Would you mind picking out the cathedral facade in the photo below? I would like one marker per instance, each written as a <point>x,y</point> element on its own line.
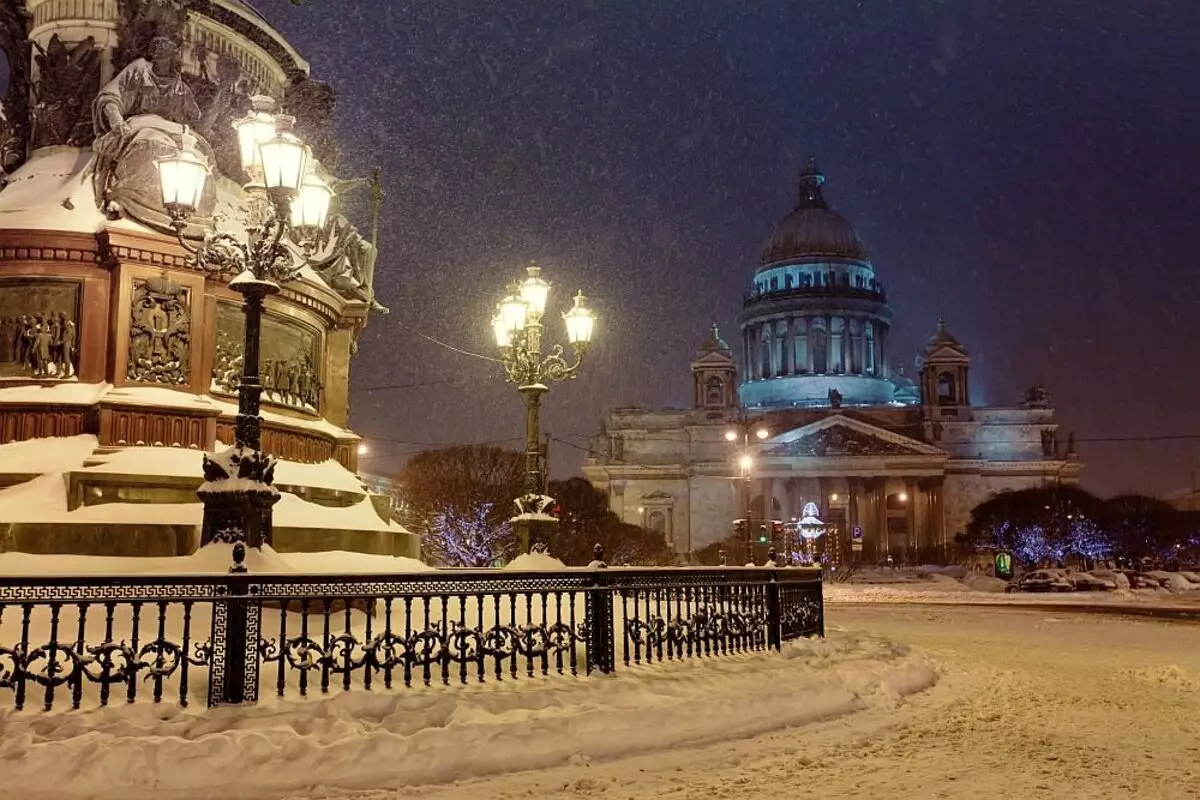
<point>806,408</point>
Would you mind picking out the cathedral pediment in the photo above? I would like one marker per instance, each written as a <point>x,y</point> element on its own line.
<point>842,437</point>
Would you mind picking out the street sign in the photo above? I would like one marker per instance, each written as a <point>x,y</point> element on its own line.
<point>856,538</point>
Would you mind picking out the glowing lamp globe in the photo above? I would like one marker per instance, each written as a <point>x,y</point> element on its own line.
<point>746,462</point>
<point>181,179</point>
<point>501,330</point>
<point>535,291</point>
<point>762,433</point>
<point>310,209</point>
<point>580,322</point>
<point>284,158</point>
<point>730,436</point>
<point>513,311</point>
<point>255,128</point>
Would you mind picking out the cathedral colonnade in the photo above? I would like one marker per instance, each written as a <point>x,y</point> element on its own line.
<point>821,344</point>
<point>902,516</point>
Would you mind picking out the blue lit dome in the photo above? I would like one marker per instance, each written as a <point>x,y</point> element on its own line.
<point>813,230</point>
<point>815,322</point>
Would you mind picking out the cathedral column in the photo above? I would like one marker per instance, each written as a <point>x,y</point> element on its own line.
<point>937,522</point>
<point>884,365</point>
<point>881,518</point>
<point>808,350</point>
<point>791,357</point>
<point>853,495</point>
<point>829,365</point>
<point>768,498</point>
<point>746,354</point>
<point>912,488</point>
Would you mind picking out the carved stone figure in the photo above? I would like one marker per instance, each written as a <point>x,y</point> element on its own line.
<point>144,20</point>
<point>68,79</point>
<point>159,332</point>
<point>835,398</point>
<point>1049,442</point>
<point>346,261</point>
<point>1037,397</point>
<point>141,115</point>
<point>839,441</point>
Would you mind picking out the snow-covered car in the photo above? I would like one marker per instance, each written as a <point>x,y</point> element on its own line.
<point>1041,581</point>
<point>1087,582</point>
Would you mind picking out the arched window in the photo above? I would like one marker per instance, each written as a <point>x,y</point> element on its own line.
<point>657,523</point>
<point>947,390</point>
<point>714,396</point>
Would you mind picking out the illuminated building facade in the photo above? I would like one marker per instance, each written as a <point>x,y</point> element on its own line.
<point>902,462</point>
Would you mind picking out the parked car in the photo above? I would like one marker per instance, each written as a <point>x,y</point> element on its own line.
<point>1041,581</point>
<point>1087,582</point>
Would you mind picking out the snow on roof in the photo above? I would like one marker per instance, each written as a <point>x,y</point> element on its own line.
<point>214,558</point>
<point>159,396</point>
<point>68,393</point>
<point>318,425</point>
<point>46,455</point>
<point>177,461</point>
<point>44,499</point>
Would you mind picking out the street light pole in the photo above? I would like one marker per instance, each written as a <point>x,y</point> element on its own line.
<point>518,330</point>
<point>237,492</point>
<point>741,429</point>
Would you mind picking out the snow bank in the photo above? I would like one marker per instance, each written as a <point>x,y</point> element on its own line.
<point>378,740</point>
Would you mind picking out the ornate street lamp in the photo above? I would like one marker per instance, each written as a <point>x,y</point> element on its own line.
<point>238,495</point>
<point>517,327</point>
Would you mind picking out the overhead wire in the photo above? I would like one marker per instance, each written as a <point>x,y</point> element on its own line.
<point>446,345</point>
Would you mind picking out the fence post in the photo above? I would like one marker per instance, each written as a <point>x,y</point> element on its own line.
<point>601,643</point>
<point>233,671</point>
<point>774,624</point>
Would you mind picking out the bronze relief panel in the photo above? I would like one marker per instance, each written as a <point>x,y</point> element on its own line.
<point>160,332</point>
<point>290,355</point>
<point>39,329</point>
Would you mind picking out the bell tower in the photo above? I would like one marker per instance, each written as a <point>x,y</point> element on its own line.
<point>714,376</point>
<point>945,392</point>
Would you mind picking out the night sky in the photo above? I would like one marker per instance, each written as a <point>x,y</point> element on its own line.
<point>1026,169</point>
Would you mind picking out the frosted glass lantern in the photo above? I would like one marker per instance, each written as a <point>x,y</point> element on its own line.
<point>181,178</point>
<point>513,311</point>
<point>535,290</point>
<point>310,209</point>
<point>255,128</point>
<point>501,330</point>
<point>580,322</point>
<point>284,158</point>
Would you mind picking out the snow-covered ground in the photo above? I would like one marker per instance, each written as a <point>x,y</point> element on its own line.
<point>898,702</point>
<point>909,586</point>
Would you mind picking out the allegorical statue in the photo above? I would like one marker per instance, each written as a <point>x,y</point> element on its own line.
<point>139,116</point>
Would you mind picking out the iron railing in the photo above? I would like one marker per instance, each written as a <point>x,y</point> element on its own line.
<point>224,638</point>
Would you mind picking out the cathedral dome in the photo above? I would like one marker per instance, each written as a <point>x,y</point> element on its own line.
<point>813,229</point>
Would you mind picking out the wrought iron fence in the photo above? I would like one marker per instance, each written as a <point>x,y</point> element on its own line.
<point>223,639</point>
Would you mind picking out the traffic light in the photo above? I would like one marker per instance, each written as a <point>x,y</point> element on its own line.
<point>739,528</point>
<point>762,534</point>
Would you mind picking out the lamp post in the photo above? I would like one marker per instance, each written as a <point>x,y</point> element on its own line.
<point>741,430</point>
<point>237,493</point>
<point>518,330</point>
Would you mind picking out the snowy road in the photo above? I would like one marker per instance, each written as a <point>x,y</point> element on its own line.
<point>1030,705</point>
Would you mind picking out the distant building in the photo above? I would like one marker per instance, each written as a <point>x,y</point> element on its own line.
<point>904,462</point>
